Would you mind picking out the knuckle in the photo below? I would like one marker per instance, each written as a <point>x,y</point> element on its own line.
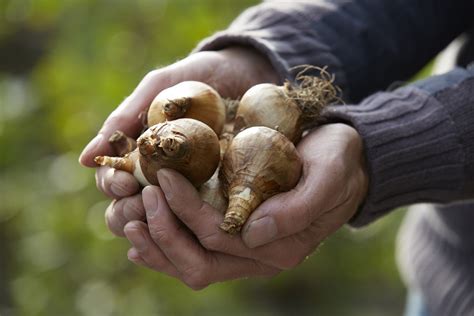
<point>114,120</point>
<point>113,220</point>
<point>160,235</point>
<point>105,181</point>
<point>266,270</point>
<point>99,178</point>
<point>345,194</point>
<point>197,284</point>
<point>306,212</point>
<point>121,183</point>
<point>133,209</point>
<point>270,272</point>
<point>289,262</point>
<point>211,242</point>
<point>338,167</point>
<point>152,74</point>
<point>195,279</point>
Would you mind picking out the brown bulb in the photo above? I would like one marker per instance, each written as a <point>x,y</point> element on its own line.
<point>189,99</point>
<point>259,163</point>
<point>185,145</point>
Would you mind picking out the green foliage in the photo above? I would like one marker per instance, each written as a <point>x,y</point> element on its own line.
<point>57,256</point>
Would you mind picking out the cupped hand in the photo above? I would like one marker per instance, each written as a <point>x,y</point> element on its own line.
<point>230,71</point>
<point>182,236</point>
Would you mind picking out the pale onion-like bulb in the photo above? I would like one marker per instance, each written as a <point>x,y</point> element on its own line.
<point>259,163</point>
<point>291,108</point>
<point>185,145</point>
<point>189,99</point>
<point>267,105</point>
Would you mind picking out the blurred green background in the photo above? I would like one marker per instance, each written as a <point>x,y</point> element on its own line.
<point>64,65</point>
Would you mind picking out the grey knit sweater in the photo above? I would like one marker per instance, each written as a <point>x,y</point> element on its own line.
<point>419,139</point>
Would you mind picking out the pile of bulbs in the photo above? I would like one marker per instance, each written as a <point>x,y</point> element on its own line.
<point>236,158</point>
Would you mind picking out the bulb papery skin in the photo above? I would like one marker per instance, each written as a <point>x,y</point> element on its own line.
<point>268,105</point>
<point>259,163</point>
<point>212,193</point>
<point>189,99</point>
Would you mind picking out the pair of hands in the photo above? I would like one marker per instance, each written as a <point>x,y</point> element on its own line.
<point>181,236</point>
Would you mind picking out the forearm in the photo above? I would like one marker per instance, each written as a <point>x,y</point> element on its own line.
<point>366,44</point>
<point>419,143</point>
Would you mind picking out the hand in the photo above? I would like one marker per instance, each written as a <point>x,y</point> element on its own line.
<point>230,71</point>
<point>183,240</point>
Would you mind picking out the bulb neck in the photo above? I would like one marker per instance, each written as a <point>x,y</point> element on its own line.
<point>119,163</point>
<point>175,109</point>
<point>147,145</point>
<point>242,202</point>
<point>173,146</point>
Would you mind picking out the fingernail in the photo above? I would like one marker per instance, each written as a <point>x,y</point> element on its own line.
<point>93,144</point>
<point>150,201</point>
<point>137,239</point>
<point>133,210</point>
<point>118,189</point>
<point>260,232</point>
<point>165,183</point>
<point>133,254</point>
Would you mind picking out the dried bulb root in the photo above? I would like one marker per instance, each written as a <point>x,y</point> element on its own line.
<point>313,93</point>
<point>121,143</point>
<point>230,109</point>
<point>224,142</point>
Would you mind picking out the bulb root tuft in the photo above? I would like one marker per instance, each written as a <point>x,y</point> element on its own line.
<point>313,93</point>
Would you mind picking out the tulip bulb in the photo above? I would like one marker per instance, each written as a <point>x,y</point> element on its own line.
<point>189,99</point>
<point>259,163</point>
<point>289,109</point>
<point>212,192</point>
<point>185,145</point>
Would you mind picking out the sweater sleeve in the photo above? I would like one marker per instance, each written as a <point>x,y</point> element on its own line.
<point>367,44</point>
<point>419,142</point>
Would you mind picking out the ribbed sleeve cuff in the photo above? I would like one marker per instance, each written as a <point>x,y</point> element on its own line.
<point>419,145</point>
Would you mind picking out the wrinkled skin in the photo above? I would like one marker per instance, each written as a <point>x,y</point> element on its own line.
<point>280,233</point>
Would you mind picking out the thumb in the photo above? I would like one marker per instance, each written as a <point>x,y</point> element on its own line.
<point>125,117</point>
<point>285,214</point>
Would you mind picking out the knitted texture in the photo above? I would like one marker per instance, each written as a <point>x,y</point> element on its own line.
<point>419,143</point>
